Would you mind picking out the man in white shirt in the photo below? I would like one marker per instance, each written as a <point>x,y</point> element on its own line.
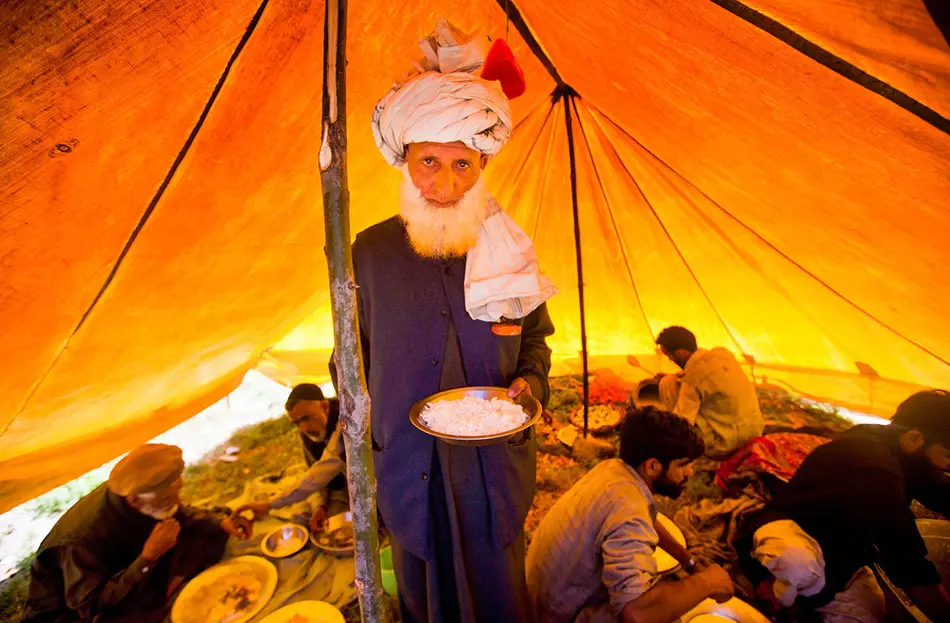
<point>712,392</point>
<point>591,559</point>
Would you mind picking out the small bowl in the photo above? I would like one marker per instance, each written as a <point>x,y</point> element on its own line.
<point>285,541</point>
<point>340,520</point>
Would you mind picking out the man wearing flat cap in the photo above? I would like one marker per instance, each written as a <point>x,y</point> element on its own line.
<point>450,295</point>
<point>847,508</point>
<point>121,551</point>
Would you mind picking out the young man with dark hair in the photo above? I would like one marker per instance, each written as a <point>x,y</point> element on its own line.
<point>712,392</point>
<point>848,507</point>
<point>591,559</point>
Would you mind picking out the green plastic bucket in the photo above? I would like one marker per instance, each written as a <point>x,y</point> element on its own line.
<point>389,576</point>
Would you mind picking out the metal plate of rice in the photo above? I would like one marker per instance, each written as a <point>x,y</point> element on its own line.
<point>528,404</point>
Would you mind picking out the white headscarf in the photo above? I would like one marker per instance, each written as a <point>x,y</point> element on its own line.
<point>444,101</point>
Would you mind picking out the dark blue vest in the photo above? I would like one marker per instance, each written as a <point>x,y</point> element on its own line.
<point>406,304</point>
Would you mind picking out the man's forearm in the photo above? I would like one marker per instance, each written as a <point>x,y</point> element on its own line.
<point>666,601</point>
<point>669,544</point>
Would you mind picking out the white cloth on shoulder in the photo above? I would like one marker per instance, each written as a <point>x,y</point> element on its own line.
<point>502,276</point>
<point>793,557</point>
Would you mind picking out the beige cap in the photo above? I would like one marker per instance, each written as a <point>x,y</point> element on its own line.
<point>146,469</point>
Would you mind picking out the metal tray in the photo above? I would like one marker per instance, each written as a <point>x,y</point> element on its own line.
<point>530,404</point>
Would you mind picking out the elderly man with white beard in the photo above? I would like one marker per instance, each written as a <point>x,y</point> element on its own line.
<point>121,553</point>
<point>450,295</point>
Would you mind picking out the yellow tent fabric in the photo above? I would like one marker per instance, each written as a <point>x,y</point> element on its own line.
<point>160,202</point>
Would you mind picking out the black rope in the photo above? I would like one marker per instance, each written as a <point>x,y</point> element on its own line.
<point>676,248</point>
<point>512,13</point>
<point>567,94</point>
<point>835,63</point>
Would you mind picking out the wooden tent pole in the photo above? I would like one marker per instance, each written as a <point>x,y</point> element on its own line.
<point>566,93</point>
<point>351,380</point>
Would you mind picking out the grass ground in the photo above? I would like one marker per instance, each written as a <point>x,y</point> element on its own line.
<point>272,448</point>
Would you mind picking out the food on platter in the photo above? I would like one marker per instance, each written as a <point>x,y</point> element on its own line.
<point>226,600</point>
<point>473,417</point>
<point>341,537</point>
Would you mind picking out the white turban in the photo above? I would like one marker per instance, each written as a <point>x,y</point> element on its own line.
<point>444,103</point>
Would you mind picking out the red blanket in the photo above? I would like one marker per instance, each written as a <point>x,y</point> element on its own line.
<point>778,454</point>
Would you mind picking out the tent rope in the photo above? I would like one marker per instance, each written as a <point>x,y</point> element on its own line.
<point>772,246</point>
<point>613,222</point>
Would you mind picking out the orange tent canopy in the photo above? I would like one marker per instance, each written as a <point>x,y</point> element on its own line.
<point>160,201</point>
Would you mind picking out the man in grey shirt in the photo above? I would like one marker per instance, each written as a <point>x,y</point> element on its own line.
<point>591,558</point>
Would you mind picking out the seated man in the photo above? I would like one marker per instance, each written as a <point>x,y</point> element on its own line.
<point>591,559</point>
<point>324,483</point>
<point>120,553</point>
<point>711,392</point>
<point>848,506</point>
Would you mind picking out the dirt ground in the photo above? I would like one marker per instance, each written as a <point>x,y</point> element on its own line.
<point>272,449</point>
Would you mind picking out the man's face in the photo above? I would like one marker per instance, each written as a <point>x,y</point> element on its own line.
<point>444,172</point>
<point>679,357</point>
<point>310,416</point>
<point>160,504</point>
<point>671,482</point>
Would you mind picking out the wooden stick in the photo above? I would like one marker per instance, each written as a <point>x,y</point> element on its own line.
<point>351,380</point>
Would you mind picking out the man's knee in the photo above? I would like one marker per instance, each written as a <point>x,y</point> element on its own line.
<point>862,600</point>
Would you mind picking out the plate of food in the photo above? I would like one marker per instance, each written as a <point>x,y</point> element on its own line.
<point>285,541</point>
<point>601,418</point>
<point>338,538</point>
<point>475,416</point>
<point>665,563</point>
<point>735,610</point>
<point>306,612</point>
<point>229,592</point>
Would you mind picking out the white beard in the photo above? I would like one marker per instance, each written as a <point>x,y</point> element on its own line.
<point>443,232</point>
<point>159,513</point>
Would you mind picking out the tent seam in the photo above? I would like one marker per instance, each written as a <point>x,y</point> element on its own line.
<point>835,63</point>
<point>775,248</point>
<point>613,221</point>
<point>252,25</point>
<point>676,248</point>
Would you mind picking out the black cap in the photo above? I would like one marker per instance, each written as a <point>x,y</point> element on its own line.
<point>304,391</point>
<point>926,411</point>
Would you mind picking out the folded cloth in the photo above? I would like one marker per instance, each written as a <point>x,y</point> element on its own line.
<point>502,277</point>
<point>443,101</point>
<point>793,557</point>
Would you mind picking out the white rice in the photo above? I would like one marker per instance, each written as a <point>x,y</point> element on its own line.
<point>473,417</point>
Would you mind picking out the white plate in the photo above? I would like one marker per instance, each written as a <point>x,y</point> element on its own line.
<point>664,562</point>
<point>312,611</point>
<point>708,611</point>
<point>263,570</point>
